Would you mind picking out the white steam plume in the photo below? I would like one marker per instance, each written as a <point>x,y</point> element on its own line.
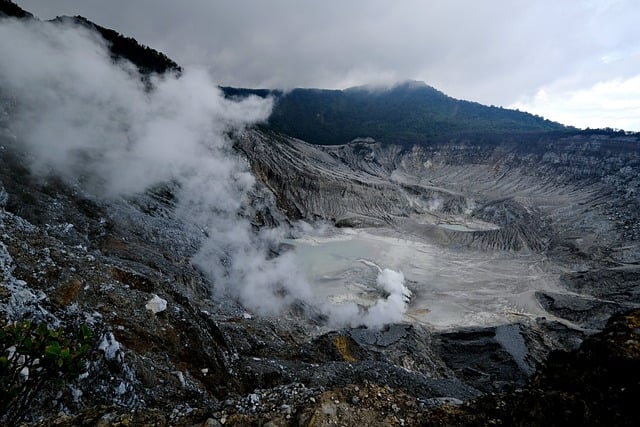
<point>92,122</point>
<point>390,309</point>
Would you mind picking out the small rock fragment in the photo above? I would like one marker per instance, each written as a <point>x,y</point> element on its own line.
<point>156,304</point>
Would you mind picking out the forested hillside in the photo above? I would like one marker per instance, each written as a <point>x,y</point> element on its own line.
<point>409,113</point>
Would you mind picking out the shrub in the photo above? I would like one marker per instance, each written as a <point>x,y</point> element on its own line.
<point>33,359</point>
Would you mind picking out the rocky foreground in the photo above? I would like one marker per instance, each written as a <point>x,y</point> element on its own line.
<point>595,385</point>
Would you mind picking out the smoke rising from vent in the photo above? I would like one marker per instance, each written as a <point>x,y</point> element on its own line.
<point>94,123</point>
<point>388,309</point>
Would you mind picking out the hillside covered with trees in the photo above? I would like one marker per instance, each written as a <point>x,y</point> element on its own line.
<point>408,113</point>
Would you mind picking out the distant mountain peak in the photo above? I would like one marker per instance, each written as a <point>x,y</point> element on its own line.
<point>410,112</point>
<point>413,84</point>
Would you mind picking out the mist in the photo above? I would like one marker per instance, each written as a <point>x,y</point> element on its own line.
<point>93,122</point>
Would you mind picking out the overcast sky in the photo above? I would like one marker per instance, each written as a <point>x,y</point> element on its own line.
<point>573,61</point>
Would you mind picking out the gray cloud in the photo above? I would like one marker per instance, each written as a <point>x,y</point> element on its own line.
<point>495,52</point>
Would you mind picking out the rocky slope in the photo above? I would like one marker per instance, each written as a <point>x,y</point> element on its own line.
<point>528,196</point>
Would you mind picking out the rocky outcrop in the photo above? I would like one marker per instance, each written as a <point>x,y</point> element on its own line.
<point>596,384</point>
<point>617,284</point>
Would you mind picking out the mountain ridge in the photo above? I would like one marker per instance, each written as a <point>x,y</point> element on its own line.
<point>9,8</point>
<point>407,113</point>
<point>145,58</point>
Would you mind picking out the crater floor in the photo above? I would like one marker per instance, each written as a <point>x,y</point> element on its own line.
<point>452,287</point>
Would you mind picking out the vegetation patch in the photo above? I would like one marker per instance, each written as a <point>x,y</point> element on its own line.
<point>35,358</point>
